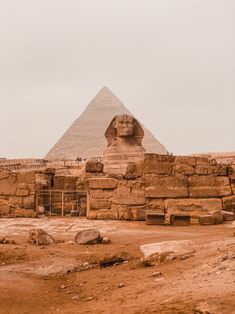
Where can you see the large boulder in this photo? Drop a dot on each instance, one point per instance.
(40, 237)
(156, 253)
(88, 236)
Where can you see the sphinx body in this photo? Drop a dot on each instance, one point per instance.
(124, 136)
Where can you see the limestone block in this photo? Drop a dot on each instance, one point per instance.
(21, 212)
(103, 214)
(157, 253)
(165, 181)
(100, 204)
(123, 190)
(218, 217)
(124, 213)
(166, 192)
(100, 193)
(156, 205)
(137, 213)
(102, 183)
(185, 160)
(129, 200)
(206, 220)
(92, 166)
(205, 186)
(5, 208)
(160, 168)
(191, 206)
(22, 192)
(16, 200)
(228, 216)
(155, 158)
(133, 171)
(29, 202)
(26, 177)
(229, 203)
(184, 169)
(8, 184)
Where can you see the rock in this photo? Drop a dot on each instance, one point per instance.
(88, 236)
(121, 285)
(157, 274)
(102, 183)
(218, 217)
(92, 166)
(206, 220)
(40, 237)
(105, 240)
(156, 253)
(227, 216)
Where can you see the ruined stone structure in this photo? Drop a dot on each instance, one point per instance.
(85, 138)
(124, 136)
(127, 184)
(164, 184)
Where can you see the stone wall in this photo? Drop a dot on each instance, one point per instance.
(17, 194)
(163, 184)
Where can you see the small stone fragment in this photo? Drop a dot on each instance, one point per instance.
(40, 237)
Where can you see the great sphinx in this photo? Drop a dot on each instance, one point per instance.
(124, 136)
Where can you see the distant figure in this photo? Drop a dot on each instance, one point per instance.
(124, 136)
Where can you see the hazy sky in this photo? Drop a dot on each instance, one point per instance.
(172, 62)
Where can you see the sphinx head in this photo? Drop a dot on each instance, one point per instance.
(124, 127)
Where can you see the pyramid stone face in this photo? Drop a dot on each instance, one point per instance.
(85, 138)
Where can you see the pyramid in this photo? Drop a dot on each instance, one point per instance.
(85, 138)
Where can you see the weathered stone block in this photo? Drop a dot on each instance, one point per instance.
(100, 204)
(133, 171)
(166, 192)
(205, 187)
(228, 216)
(29, 202)
(191, 206)
(156, 253)
(185, 160)
(229, 203)
(156, 205)
(100, 193)
(160, 168)
(129, 200)
(103, 214)
(124, 213)
(92, 166)
(102, 183)
(184, 169)
(206, 220)
(218, 217)
(22, 192)
(137, 213)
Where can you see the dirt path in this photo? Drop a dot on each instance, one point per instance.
(66, 278)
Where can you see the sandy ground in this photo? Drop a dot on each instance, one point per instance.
(66, 277)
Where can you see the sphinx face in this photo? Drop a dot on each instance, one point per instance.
(124, 125)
